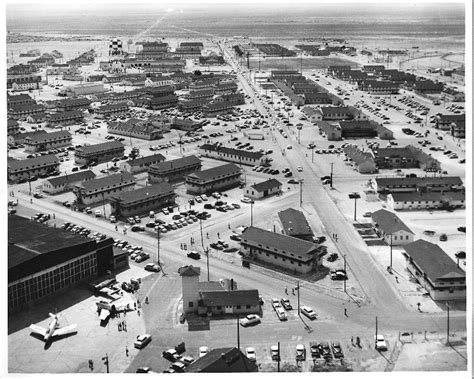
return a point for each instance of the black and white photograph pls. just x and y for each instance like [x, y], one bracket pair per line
[238, 187]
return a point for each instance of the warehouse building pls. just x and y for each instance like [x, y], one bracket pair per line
[142, 164]
[426, 200]
[72, 104]
[174, 170]
[214, 179]
[44, 261]
[228, 154]
[391, 229]
[47, 141]
[66, 182]
[83, 89]
[101, 152]
[285, 252]
[435, 271]
[427, 183]
[65, 118]
[136, 128]
[263, 189]
[142, 201]
[31, 167]
[97, 190]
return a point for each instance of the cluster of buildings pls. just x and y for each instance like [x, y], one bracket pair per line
[367, 162]
[455, 123]
[441, 277]
[23, 78]
[376, 79]
[300, 90]
[413, 193]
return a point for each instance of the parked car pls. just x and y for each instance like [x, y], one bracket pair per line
[194, 255]
[275, 353]
[171, 355]
[300, 352]
[152, 267]
[203, 350]
[380, 343]
[337, 350]
[251, 354]
[286, 304]
[443, 237]
[142, 340]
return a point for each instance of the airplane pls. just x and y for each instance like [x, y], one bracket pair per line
[53, 329]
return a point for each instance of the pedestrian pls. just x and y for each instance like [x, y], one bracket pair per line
[345, 312]
[135, 305]
[292, 291]
[119, 327]
[286, 290]
[358, 341]
[218, 235]
[352, 341]
[146, 300]
[138, 312]
[207, 235]
[396, 278]
[228, 225]
[126, 351]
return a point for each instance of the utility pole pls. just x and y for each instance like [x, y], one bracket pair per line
[447, 329]
[298, 289]
[345, 276]
[376, 331]
[103, 204]
[238, 334]
[279, 358]
[158, 246]
[332, 164]
[251, 213]
[207, 263]
[202, 239]
[391, 253]
[301, 192]
[355, 196]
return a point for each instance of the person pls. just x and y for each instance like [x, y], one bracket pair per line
[352, 341]
[138, 312]
[126, 351]
[345, 312]
[292, 291]
[146, 300]
[286, 290]
[218, 235]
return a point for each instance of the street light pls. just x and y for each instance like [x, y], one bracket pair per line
[355, 196]
[251, 212]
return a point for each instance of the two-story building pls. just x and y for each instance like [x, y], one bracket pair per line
[112, 109]
[440, 276]
[174, 170]
[65, 118]
[142, 164]
[31, 167]
[66, 182]
[289, 253]
[232, 155]
[101, 189]
[143, 200]
[391, 229]
[47, 141]
[214, 179]
[101, 152]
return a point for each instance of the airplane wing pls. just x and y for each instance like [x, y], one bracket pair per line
[38, 329]
[65, 330]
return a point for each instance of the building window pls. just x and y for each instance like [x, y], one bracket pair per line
[247, 306]
[190, 304]
[238, 307]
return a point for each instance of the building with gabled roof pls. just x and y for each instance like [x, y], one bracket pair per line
[25, 169]
[136, 128]
[405, 157]
[66, 182]
[143, 200]
[142, 164]
[426, 200]
[21, 111]
[428, 183]
[213, 179]
[47, 141]
[294, 224]
[363, 160]
[101, 152]
[65, 118]
[441, 277]
[12, 127]
[263, 189]
[101, 189]
[72, 104]
[391, 229]
[215, 297]
[112, 109]
[173, 170]
[228, 154]
[289, 253]
[222, 360]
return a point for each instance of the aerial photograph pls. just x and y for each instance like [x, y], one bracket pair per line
[243, 186]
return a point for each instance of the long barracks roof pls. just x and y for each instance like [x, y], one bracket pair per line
[266, 185]
[283, 242]
[215, 172]
[294, 222]
[144, 194]
[230, 151]
[75, 177]
[389, 222]
[33, 162]
[429, 196]
[65, 115]
[175, 164]
[433, 261]
[146, 160]
[424, 181]
[106, 181]
[100, 147]
[47, 137]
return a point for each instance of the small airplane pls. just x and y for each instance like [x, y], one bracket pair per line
[53, 329]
